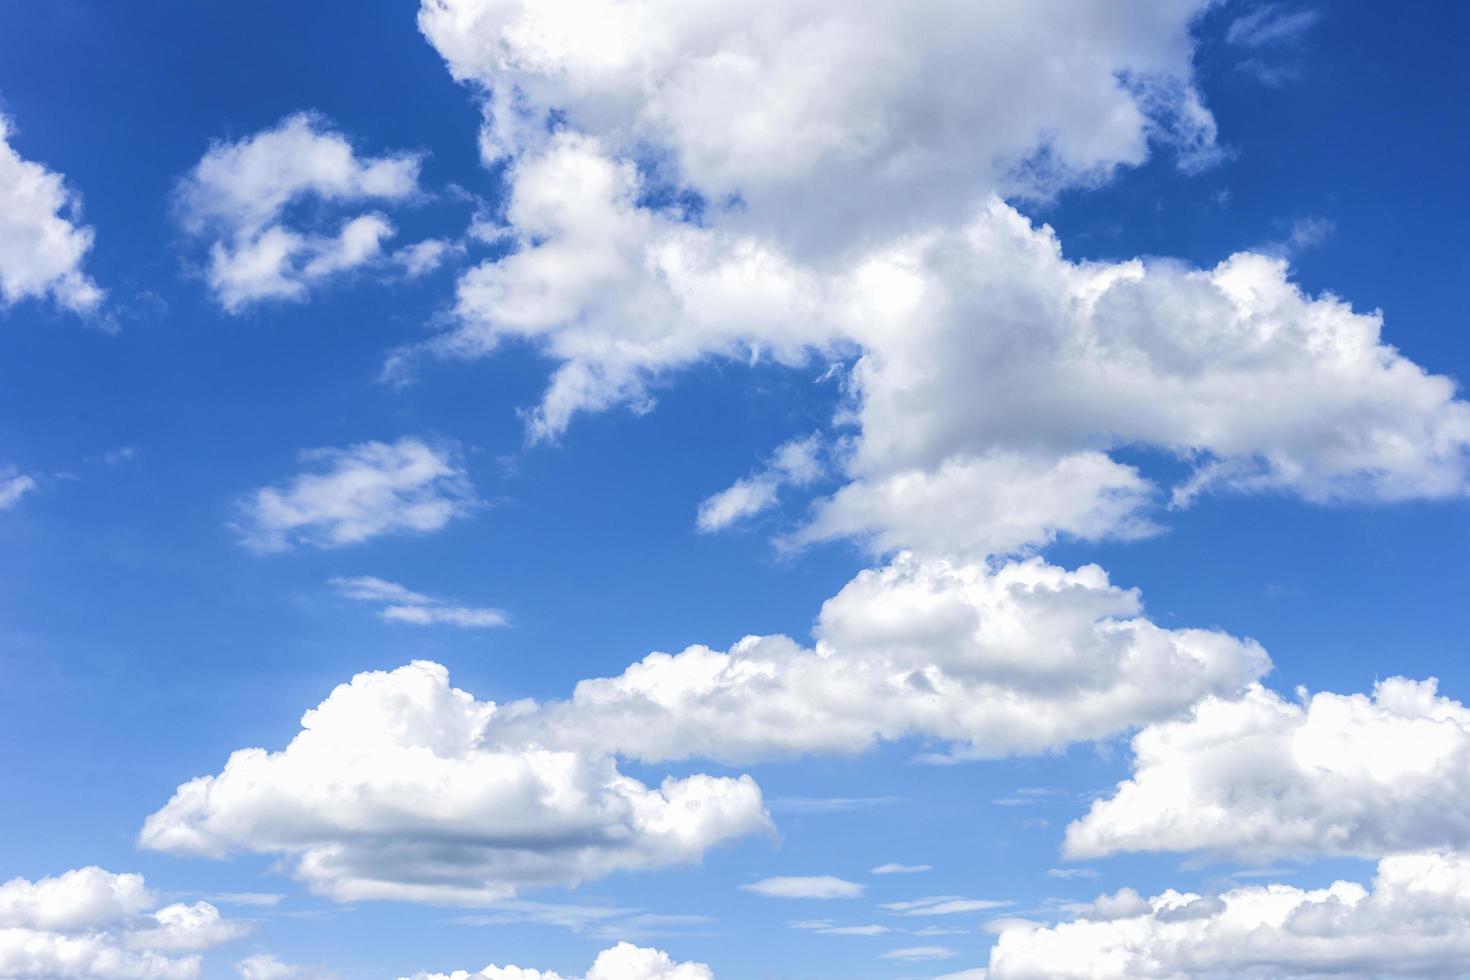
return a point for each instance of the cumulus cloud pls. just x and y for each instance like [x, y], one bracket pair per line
[1024, 658]
[809, 886]
[13, 486]
[797, 463]
[391, 790]
[622, 962]
[834, 122]
[990, 376]
[1263, 776]
[91, 923]
[243, 197]
[399, 604]
[42, 241]
[1415, 921]
[346, 496]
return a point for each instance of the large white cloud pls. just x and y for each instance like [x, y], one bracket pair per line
[1261, 776]
[1415, 922]
[42, 242]
[621, 962]
[990, 375]
[400, 786]
[346, 496]
[1026, 658]
[240, 195]
[835, 121]
[91, 923]
[392, 791]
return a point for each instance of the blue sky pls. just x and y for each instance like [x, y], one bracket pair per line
[203, 455]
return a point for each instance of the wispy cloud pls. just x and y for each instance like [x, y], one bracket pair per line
[812, 886]
[400, 604]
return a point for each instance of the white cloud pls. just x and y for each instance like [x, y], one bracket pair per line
[421, 258]
[945, 905]
[13, 486]
[91, 923]
[834, 122]
[42, 241]
[264, 966]
[1414, 922]
[239, 195]
[1269, 23]
[992, 375]
[1262, 776]
[347, 496]
[402, 605]
[392, 791]
[920, 954]
[1025, 658]
[829, 927]
[901, 869]
[622, 962]
[797, 462]
[810, 886]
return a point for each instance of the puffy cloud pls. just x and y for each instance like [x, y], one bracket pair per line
[835, 122]
[810, 886]
[391, 790]
[1415, 921]
[1025, 658]
[997, 504]
[622, 962]
[1259, 775]
[991, 376]
[347, 496]
[797, 462]
[240, 194]
[402, 605]
[42, 242]
[91, 923]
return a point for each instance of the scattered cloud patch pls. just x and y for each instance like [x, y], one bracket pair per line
[93, 923]
[43, 243]
[243, 198]
[811, 886]
[13, 486]
[901, 869]
[622, 962]
[347, 496]
[398, 604]
[795, 463]
[944, 905]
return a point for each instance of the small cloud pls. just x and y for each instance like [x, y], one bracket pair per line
[919, 954]
[13, 486]
[401, 604]
[1270, 23]
[831, 804]
[829, 927]
[900, 869]
[814, 886]
[120, 455]
[945, 905]
[1068, 874]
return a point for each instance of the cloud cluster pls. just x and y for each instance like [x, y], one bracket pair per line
[400, 604]
[991, 377]
[347, 496]
[249, 199]
[400, 786]
[42, 241]
[1024, 658]
[1260, 776]
[1414, 922]
[392, 791]
[95, 924]
[622, 962]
